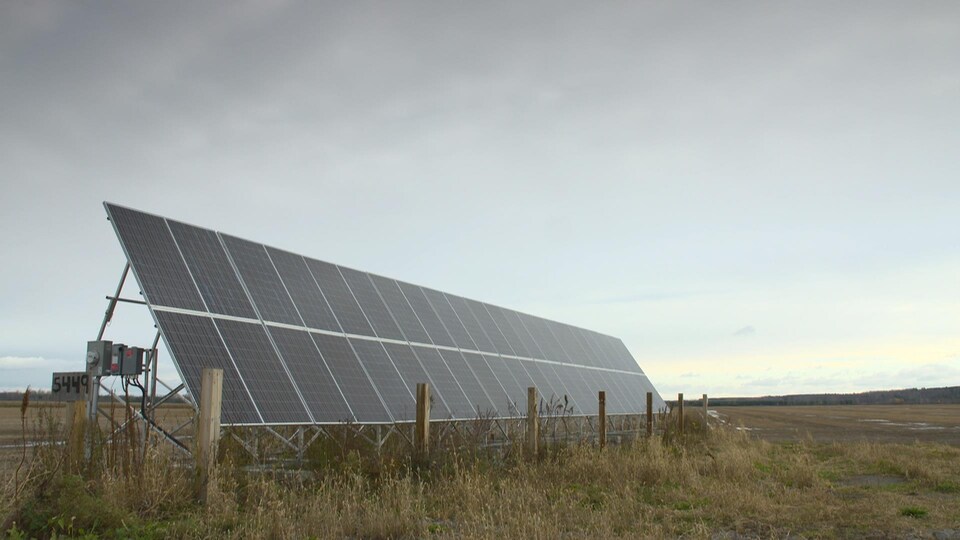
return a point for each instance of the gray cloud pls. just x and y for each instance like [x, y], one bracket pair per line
[745, 331]
[535, 155]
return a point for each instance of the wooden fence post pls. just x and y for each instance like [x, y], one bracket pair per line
[208, 430]
[649, 414]
[603, 419]
[76, 426]
[533, 422]
[423, 418]
[706, 417]
[680, 410]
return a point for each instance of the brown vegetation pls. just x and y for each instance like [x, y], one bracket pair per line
[707, 482]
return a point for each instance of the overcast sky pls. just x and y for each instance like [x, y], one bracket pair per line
[758, 198]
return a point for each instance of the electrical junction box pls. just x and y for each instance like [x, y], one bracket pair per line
[99, 354]
[132, 361]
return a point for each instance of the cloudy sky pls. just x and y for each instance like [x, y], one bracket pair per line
[759, 198]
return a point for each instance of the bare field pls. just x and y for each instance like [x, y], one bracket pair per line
[848, 423]
[38, 413]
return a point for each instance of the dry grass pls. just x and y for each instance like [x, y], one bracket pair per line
[695, 486]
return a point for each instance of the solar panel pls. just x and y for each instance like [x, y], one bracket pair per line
[305, 341]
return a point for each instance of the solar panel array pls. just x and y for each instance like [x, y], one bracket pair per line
[305, 341]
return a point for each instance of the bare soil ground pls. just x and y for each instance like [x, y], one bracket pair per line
[846, 423]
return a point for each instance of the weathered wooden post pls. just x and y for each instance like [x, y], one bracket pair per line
[422, 430]
[680, 410]
[76, 426]
[602, 424]
[533, 422]
[208, 430]
[706, 417]
[649, 414]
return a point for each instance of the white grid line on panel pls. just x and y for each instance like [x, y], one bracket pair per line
[300, 316]
[260, 321]
[256, 407]
[387, 340]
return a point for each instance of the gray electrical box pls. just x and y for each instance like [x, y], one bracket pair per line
[132, 361]
[99, 354]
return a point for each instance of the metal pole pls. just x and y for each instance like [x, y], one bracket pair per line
[107, 315]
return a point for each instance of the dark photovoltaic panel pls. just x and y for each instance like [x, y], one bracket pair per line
[414, 373]
[488, 380]
[303, 290]
[261, 278]
[402, 313]
[354, 382]
[428, 317]
[313, 377]
[444, 383]
[490, 327]
[503, 324]
[544, 337]
[340, 298]
[371, 304]
[386, 378]
[261, 369]
[468, 382]
[459, 310]
[533, 350]
[452, 323]
[196, 345]
[302, 340]
[516, 393]
[216, 279]
[155, 258]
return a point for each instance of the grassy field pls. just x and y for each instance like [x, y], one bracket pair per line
[708, 484]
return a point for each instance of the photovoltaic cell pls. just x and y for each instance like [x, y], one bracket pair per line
[592, 355]
[161, 272]
[340, 298]
[533, 349]
[500, 318]
[212, 272]
[196, 345]
[545, 389]
[448, 317]
[258, 364]
[261, 278]
[414, 374]
[371, 304]
[468, 382]
[353, 380]
[303, 290]
[444, 383]
[548, 344]
[579, 390]
[402, 313]
[564, 335]
[592, 339]
[314, 379]
[515, 392]
[386, 378]
[559, 387]
[488, 380]
[490, 327]
[623, 397]
[461, 311]
[428, 317]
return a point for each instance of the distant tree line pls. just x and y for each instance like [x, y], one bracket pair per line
[907, 396]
